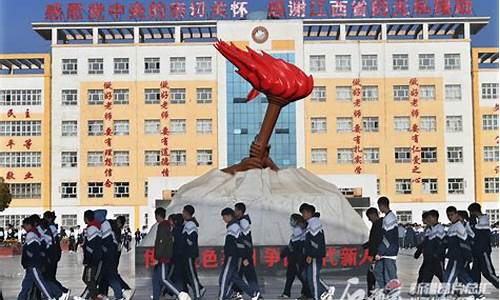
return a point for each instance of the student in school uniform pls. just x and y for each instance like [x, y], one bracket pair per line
[190, 237]
[374, 240]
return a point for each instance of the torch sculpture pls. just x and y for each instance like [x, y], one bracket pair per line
[281, 82]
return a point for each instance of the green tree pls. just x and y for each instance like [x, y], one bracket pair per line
[5, 196]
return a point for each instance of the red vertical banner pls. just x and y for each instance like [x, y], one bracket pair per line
[164, 131]
[108, 134]
[357, 125]
[416, 150]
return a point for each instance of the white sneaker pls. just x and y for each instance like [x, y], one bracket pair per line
[256, 296]
[184, 296]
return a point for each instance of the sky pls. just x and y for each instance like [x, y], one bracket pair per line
[16, 35]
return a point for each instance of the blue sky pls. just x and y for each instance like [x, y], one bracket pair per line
[16, 17]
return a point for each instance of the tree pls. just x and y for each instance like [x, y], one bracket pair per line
[5, 196]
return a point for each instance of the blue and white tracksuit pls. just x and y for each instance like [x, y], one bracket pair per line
[481, 252]
[314, 247]
[385, 268]
[458, 254]
[248, 272]
[92, 259]
[56, 254]
[109, 253]
[433, 249]
[190, 237]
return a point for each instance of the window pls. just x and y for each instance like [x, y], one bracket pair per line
[203, 95]
[319, 156]
[427, 92]
[454, 123]
[490, 153]
[370, 124]
[490, 122]
[121, 158]
[152, 96]
[402, 123]
[121, 65]
[69, 159]
[426, 62]
[402, 155]
[95, 158]
[370, 93]
[343, 93]
[400, 92]
[95, 190]
[69, 128]
[120, 96]
[178, 157]
[429, 186]
[318, 94]
[177, 126]
[204, 126]
[493, 215]
[68, 190]
[177, 96]
[152, 158]
[453, 92]
[342, 63]
[318, 125]
[404, 216]
[14, 220]
[344, 155]
[95, 127]
[428, 123]
[403, 186]
[69, 221]
[95, 97]
[151, 65]
[400, 62]
[371, 155]
[429, 154]
[491, 185]
[452, 61]
[203, 65]
[317, 63]
[25, 190]
[455, 154]
[69, 66]
[20, 159]
[203, 157]
[369, 62]
[20, 97]
[121, 127]
[177, 65]
[455, 185]
[121, 189]
[344, 124]
[489, 90]
[20, 128]
[69, 97]
[96, 66]
[151, 126]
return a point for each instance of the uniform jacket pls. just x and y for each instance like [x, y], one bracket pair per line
[482, 236]
[179, 246]
[163, 242]
[30, 257]
[295, 248]
[389, 245]
[314, 245]
[92, 244]
[434, 243]
[233, 244]
[246, 235]
[458, 247]
[56, 238]
[109, 241]
[190, 237]
[375, 238]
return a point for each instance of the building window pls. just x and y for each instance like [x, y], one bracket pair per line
[95, 97]
[95, 159]
[404, 216]
[203, 157]
[371, 155]
[204, 126]
[121, 189]
[151, 126]
[20, 97]
[453, 92]
[121, 65]
[69, 128]
[427, 92]
[318, 125]
[370, 93]
[452, 61]
[428, 123]
[68, 190]
[493, 215]
[490, 153]
[69, 159]
[370, 124]
[402, 155]
[152, 158]
[429, 186]
[151, 65]
[455, 185]
[121, 127]
[178, 157]
[426, 62]
[20, 128]
[403, 186]
[429, 154]
[343, 93]
[369, 62]
[318, 94]
[69, 97]
[20, 159]
[344, 124]
[120, 96]
[400, 62]
[400, 92]
[178, 126]
[319, 156]
[95, 190]
[69, 221]
[317, 63]
[489, 90]
[69, 66]
[454, 123]
[490, 122]
[203, 65]
[177, 96]
[152, 96]
[402, 123]
[491, 185]
[177, 65]
[344, 155]
[121, 158]
[203, 95]
[96, 66]
[455, 154]
[96, 127]
[342, 63]
[25, 190]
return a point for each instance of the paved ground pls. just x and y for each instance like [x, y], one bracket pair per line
[70, 269]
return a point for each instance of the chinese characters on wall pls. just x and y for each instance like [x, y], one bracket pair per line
[26, 144]
[495, 111]
[416, 158]
[164, 155]
[108, 134]
[357, 126]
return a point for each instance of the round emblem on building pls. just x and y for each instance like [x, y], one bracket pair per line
[260, 34]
